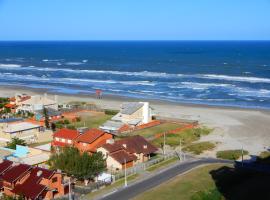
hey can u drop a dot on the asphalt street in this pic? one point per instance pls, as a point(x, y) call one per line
point(139, 187)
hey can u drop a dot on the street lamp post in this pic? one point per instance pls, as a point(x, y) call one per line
point(125, 173)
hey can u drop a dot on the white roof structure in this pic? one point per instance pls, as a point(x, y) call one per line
point(41, 100)
point(19, 127)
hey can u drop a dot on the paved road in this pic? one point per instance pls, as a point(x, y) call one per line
point(139, 187)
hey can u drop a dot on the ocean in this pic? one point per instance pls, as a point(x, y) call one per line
point(221, 73)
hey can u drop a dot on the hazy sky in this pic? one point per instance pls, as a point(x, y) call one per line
point(134, 19)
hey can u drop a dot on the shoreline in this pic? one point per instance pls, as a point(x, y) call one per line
point(126, 98)
point(233, 127)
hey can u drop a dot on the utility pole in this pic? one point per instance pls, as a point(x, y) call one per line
point(242, 155)
point(69, 186)
point(125, 173)
point(164, 143)
point(180, 146)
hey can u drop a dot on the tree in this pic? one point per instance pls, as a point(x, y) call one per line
point(81, 166)
point(47, 122)
point(15, 141)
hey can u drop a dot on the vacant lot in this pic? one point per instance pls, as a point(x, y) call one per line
point(92, 120)
point(150, 132)
point(186, 136)
point(183, 187)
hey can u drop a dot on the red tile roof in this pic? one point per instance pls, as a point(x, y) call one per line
point(15, 172)
point(4, 165)
point(123, 157)
point(66, 134)
point(90, 136)
point(31, 187)
point(10, 105)
point(137, 144)
point(112, 147)
point(60, 144)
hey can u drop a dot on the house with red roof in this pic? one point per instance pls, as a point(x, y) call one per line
point(126, 152)
point(64, 137)
point(30, 182)
point(92, 139)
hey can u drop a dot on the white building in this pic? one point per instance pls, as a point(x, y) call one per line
point(37, 102)
point(132, 114)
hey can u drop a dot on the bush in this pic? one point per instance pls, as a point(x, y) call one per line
point(111, 112)
point(213, 194)
point(200, 147)
point(231, 154)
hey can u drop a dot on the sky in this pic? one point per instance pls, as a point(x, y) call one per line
point(134, 19)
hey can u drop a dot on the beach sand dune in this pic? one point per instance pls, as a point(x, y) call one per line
point(233, 127)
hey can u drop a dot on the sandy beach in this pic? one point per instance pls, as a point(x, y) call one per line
point(233, 127)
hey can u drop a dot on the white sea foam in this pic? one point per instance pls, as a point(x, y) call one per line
point(9, 66)
point(236, 78)
point(84, 61)
point(73, 63)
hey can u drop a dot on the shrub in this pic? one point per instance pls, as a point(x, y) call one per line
point(231, 154)
point(111, 112)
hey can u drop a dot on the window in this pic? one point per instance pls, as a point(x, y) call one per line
point(54, 179)
point(84, 144)
point(57, 139)
point(69, 141)
point(63, 140)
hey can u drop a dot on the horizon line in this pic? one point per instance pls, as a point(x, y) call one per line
point(234, 40)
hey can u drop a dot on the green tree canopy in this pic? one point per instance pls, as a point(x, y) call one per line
point(81, 166)
point(15, 141)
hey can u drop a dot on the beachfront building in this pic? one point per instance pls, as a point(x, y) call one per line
point(92, 139)
point(53, 115)
point(30, 182)
point(131, 114)
point(64, 138)
point(126, 152)
point(36, 103)
point(21, 129)
point(25, 155)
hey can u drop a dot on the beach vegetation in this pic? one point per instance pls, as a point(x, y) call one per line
point(81, 166)
point(111, 112)
point(15, 141)
point(92, 121)
point(186, 137)
point(200, 147)
point(151, 132)
point(231, 154)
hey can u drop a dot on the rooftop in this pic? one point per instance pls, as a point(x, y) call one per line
point(15, 172)
point(38, 99)
point(90, 135)
point(112, 147)
point(20, 126)
point(129, 108)
point(137, 144)
point(66, 134)
point(123, 157)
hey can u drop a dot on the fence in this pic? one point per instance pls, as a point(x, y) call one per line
point(120, 174)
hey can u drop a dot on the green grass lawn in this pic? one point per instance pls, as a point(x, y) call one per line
point(92, 121)
point(200, 147)
point(187, 136)
point(231, 154)
point(183, 187)
point(149, 132)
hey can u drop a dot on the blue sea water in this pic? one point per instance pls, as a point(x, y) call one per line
point(226, 73)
